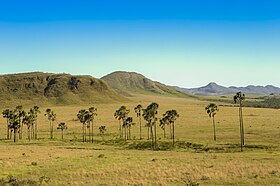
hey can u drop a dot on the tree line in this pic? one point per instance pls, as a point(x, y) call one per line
point(17, 118)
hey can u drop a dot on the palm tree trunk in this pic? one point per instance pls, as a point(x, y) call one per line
point(11, 131)
point(92, 132)
point(173, 134)
point(148, 133)
point(152, 137)
point(62, 134)
point(83, 132)
point(8, 129)
point(214, 128)
point(15, 135)
point(241, 135)
point(120, 128)
point(155, 125)
point(170, 130)
point(36, 129)
point(243, 132)
point(20, 129)
point(140, 127)
point(125, 132)
point(50, 130)
point(28, 131)
point(164, 132)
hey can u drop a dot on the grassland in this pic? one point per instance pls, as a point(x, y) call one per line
point(195, 159)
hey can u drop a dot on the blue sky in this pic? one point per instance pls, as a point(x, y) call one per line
point(187, 43)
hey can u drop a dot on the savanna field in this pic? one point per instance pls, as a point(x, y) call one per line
point(194, 160)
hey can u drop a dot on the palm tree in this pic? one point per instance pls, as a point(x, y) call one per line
point(122, 114)
point(29, 121)
point(92, 114)
point(238, 99)
point(6, 114)
point(14, 123)
point(138, 110)
point(118, 117)
point(21, 114)
point(171, 116)
point(51, 117)
point(62, 126)
point(83, 116)
point(34, 111)
point(212, 110)
point(127, 125)
point(149, 114)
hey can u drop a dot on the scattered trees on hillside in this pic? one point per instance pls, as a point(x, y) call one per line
point(62, 126)
point(51, 117)
point(212, 110)
point(138, 110)
point(238, 99)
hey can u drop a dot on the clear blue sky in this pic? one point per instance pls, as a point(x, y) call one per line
point(178, 42)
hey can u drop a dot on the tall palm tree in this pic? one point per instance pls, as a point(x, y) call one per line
point(6, 114)
point(138, 110)
point(34, 111)
point(62, 126)
point(29, 121)
point(92, 115)
point(21, 113)
point(149, 114)
point(83, 116)
point(238, 99)
point(121, 114)
point(127, 125)
point(51, 117)
point(171, 116)
point(212, 110)
point(14, 123)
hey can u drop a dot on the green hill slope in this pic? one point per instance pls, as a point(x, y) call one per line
point(45, 88)
point(128, 83)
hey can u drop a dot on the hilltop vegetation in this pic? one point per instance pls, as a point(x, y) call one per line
point(129, 83)
point(62, 89)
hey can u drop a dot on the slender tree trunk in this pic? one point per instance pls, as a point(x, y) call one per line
point(8, 130)
point(62, 134)
point(83, 132)
point(50, 130)
point(151, 129)
point(155, 126)
point(140, 127)
point(36, 129)
point(28, 133)
point(173, 134)
point(125, 132)
point(33, 131)
point(170, 125)
point(92, 132)
point(241, 135)
point(20, 129)
point(148, 133)
point(164, 132)
point(11, 131)
point(15, 135)
point(120, 123)
point(214, 128)
point(243, 132)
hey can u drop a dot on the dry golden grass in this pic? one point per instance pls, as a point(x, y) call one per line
point(74, 163)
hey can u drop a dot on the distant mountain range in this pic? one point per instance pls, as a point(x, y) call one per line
point(213, 89)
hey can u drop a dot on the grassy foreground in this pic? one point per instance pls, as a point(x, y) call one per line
point(196, 159)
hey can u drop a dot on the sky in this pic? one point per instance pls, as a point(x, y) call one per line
point(186, 43)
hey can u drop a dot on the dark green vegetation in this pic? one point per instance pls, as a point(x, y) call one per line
point(129, 83)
